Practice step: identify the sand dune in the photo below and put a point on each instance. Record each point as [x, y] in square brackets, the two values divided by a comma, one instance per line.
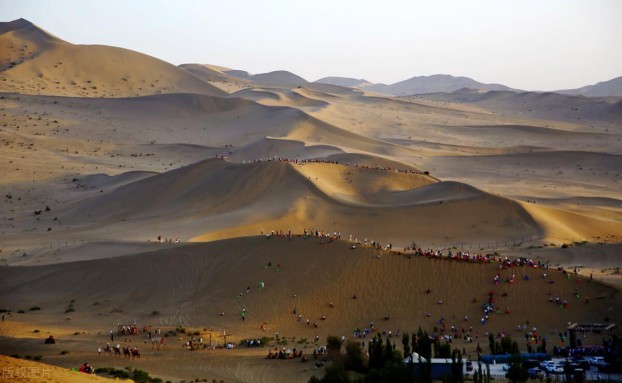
[280, 98]
[211, 73]
[216, 76]
[19, 370]
[38, 63]
[198, 282]
[193, 284]
[273, 148]
[278, 77]
[216, 199]
[564, 226]
[610, 88]
[575, 173]
[367, 186]
[552, 106]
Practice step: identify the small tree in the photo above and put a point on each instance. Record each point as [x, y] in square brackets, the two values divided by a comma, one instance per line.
[376, 357]
[517, 373]
[333, 346]
[480, 375]
[542, 347]
[456, 367]
[406, 345]
[443, 350]
[388, 350]
[336, 373]
[354, 359]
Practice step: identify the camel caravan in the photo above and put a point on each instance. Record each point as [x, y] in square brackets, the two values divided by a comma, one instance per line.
[128, 331]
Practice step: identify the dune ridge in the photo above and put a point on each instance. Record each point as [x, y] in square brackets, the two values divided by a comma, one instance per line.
[38, 63]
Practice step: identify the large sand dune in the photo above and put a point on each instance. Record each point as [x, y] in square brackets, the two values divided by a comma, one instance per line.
[193, 285]
[34, 62]
[217, 199]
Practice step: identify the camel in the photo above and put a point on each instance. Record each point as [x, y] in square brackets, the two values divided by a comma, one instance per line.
[157, 342]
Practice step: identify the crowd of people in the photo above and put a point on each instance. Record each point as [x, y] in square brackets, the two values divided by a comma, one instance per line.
[326, 161]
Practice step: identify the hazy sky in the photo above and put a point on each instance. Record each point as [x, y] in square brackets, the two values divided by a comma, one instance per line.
[526, 44]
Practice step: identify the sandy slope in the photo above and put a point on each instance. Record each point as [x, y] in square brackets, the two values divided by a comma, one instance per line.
[193, 284]
[217, 77]
[19, 370]
[218, 199]
[36, 63]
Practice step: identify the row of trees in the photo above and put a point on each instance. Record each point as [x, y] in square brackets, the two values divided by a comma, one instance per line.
[383, 363]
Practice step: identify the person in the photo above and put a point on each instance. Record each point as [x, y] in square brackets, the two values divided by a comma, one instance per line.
[86, 368]
[111, 336]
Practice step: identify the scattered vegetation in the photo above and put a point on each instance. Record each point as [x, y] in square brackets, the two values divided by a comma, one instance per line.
[35, 308]
[138, 376]
[70, 307]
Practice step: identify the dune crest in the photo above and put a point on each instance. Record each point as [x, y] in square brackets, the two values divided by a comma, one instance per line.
[37, 63]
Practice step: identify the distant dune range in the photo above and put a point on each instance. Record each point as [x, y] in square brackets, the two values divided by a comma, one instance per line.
[103, 150]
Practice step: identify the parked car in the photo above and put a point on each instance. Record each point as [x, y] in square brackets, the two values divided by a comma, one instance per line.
[545, 364]
[555, 369]
[595, 360]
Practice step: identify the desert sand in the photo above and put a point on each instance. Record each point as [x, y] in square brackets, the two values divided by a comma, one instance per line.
[149, 193]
